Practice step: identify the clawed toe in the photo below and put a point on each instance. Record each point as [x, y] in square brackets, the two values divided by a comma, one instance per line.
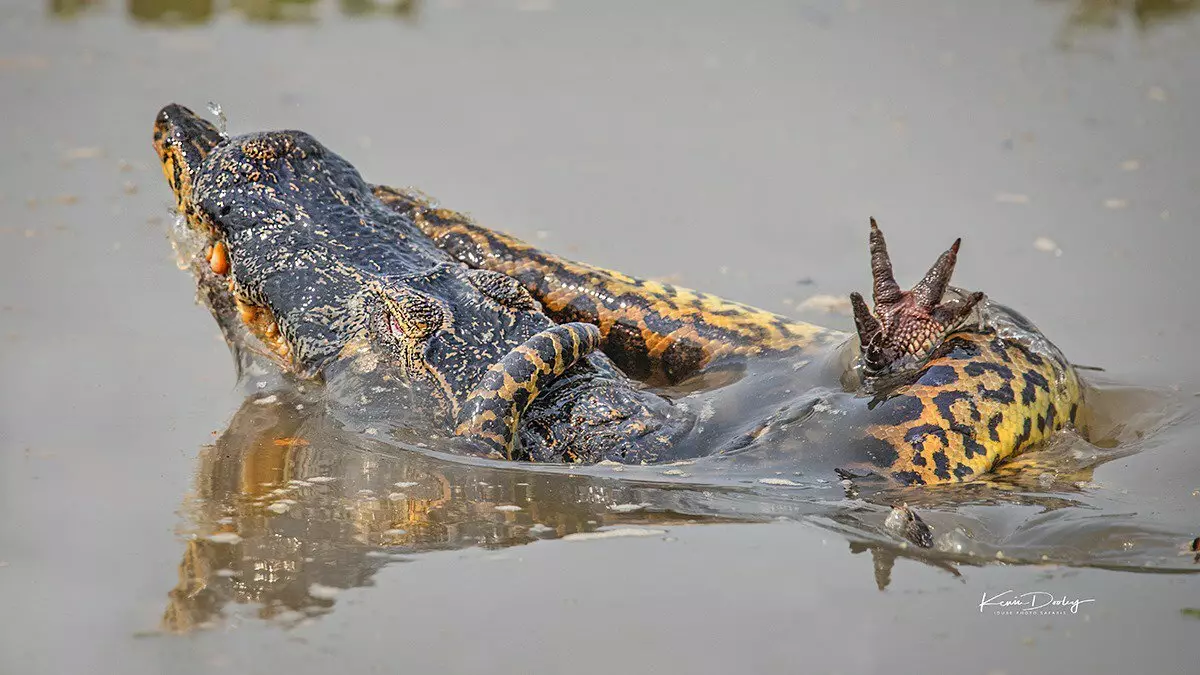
[906, 324]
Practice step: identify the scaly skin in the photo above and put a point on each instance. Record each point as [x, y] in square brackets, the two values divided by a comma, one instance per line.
[324, 276]
[987, 393]
[654, 331]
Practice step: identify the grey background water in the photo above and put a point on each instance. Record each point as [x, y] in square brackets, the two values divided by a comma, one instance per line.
[737, 148]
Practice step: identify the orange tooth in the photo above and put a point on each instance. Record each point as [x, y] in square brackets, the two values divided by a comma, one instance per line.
[218, 260]
[248, 312]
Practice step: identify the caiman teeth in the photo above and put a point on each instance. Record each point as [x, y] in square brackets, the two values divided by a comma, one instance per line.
[218, 258]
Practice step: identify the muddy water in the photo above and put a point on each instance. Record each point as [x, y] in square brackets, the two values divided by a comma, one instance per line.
[730, 149]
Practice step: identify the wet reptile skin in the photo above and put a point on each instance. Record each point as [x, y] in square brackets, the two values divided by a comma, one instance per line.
[988, 392]
[324, 276]
[328, 276]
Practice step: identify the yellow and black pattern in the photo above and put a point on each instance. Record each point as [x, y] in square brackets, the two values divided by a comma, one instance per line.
[492, 411]
[654, 331]
[324, 270]
[980, 399]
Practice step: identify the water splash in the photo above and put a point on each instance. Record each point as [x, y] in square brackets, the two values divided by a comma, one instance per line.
[222, 122]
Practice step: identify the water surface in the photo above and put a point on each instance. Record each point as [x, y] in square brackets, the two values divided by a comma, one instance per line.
[158, 518]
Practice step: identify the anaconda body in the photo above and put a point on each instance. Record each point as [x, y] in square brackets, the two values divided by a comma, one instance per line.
[331, 276]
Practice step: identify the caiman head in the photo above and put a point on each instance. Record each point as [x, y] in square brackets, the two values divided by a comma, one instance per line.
[302, 260]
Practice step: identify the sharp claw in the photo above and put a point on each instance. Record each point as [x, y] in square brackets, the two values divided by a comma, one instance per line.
[906, 323]
[886, 290]
[867, 325]
[929, 291]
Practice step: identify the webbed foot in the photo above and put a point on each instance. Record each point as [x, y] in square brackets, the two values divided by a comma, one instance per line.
[906, 325]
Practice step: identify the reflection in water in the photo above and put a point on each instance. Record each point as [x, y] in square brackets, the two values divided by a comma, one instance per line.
[1145, 13]
[66, 9]
[290, 507]
[286, 511]
[1083, 14]
[1087, 17]
[172, 12]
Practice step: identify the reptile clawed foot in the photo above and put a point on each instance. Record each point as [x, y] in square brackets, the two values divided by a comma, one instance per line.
[906, 323]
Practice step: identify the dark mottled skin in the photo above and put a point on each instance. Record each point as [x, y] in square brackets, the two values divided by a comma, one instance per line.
[324, 270]
[321, 271]
[977, 401]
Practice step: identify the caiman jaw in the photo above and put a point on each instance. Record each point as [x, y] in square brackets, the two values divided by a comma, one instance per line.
[182, 140]
[906, 325]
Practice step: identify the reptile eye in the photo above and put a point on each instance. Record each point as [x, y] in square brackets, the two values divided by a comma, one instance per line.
[397, 330]
[414, 317]
[225, 210]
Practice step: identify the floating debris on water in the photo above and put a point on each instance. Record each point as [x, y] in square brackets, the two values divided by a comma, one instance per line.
[225, 538]
[280, 506]
[394, 532]
[1131, 165]
[266, 400]
[1116, 203]
[614, 533]
[321, 479]
[406, 484]
[1047, 245]
[1011, 198]
[89, 152]
[508, 507]
[397, 496]
[1156, 94]
[830, 304]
